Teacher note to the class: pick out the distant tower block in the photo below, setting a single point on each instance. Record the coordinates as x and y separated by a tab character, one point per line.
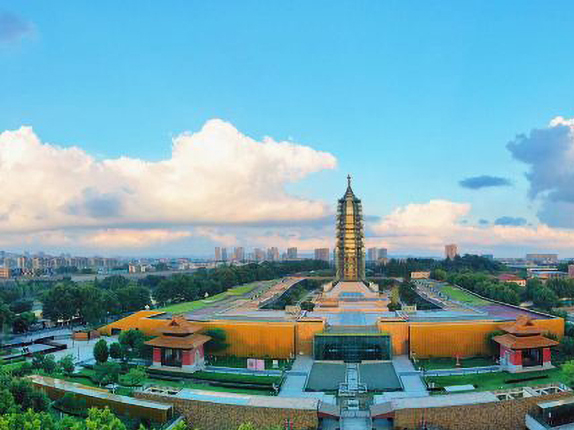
350	252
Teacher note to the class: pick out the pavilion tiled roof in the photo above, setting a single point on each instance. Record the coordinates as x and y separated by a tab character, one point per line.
187	342
179	325
524	342
523	326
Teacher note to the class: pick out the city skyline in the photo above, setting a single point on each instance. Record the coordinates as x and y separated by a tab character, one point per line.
192	142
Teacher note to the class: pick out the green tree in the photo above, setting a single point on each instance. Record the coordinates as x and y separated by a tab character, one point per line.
7	403
439	274
27	397
217	342
67	364
106	373
61	302
102	419
49	364
21	305
116	351
6	316
545	298
568	370
101	351
21	323
135	377
132	342
91	308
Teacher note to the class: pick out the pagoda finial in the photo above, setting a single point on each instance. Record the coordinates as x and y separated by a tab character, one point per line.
348	180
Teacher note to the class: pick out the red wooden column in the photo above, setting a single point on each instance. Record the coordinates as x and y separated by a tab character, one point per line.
185	357
157	356
517	357
546	355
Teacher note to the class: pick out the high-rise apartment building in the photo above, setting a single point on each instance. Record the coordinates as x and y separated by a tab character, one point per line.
542	258
322	254
382	254
259	254
372	254
451	251
223	254
350	255
273	254
292	253
217	253
239	253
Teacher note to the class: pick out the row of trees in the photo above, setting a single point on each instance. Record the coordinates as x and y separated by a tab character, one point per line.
184	288
90	302
466	263
487	286
543	296
114	295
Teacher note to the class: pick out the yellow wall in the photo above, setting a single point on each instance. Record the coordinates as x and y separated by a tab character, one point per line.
466	338
304	335
139	320
399	331
256	339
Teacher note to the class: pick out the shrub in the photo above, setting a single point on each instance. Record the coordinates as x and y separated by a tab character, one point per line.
106	373
67	364
49	365
101	351
135	377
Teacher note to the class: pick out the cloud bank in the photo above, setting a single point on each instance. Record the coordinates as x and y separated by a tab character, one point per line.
429	226
484	181
215	176
549	155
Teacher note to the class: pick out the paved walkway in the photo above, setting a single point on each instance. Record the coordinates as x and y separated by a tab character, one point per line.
410	378
294	384
296	378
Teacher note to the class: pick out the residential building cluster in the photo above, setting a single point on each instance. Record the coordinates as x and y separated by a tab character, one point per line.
238	254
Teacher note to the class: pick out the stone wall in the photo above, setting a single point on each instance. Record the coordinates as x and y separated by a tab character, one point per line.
504	415
203	415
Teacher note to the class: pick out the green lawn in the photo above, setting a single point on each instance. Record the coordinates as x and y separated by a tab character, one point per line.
127	391
462	296
450	363
241	362
496	380
199	304
12	366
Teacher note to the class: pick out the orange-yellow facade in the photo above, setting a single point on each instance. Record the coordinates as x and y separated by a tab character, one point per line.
291	338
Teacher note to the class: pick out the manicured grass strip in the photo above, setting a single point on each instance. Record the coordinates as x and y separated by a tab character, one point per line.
84	377
462	296
450	363
497	380
241	362
199	304
219	377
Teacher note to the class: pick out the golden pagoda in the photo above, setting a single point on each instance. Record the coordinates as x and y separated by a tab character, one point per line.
349	251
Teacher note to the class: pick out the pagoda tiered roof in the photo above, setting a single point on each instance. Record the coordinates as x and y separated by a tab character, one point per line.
523	334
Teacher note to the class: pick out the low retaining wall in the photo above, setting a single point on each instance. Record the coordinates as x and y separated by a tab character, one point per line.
503	415
204	415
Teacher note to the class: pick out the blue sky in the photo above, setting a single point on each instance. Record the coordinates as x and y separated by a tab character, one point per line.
410	97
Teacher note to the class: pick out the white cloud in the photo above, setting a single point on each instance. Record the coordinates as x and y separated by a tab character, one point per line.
131	238
215	176
549	154
429	226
